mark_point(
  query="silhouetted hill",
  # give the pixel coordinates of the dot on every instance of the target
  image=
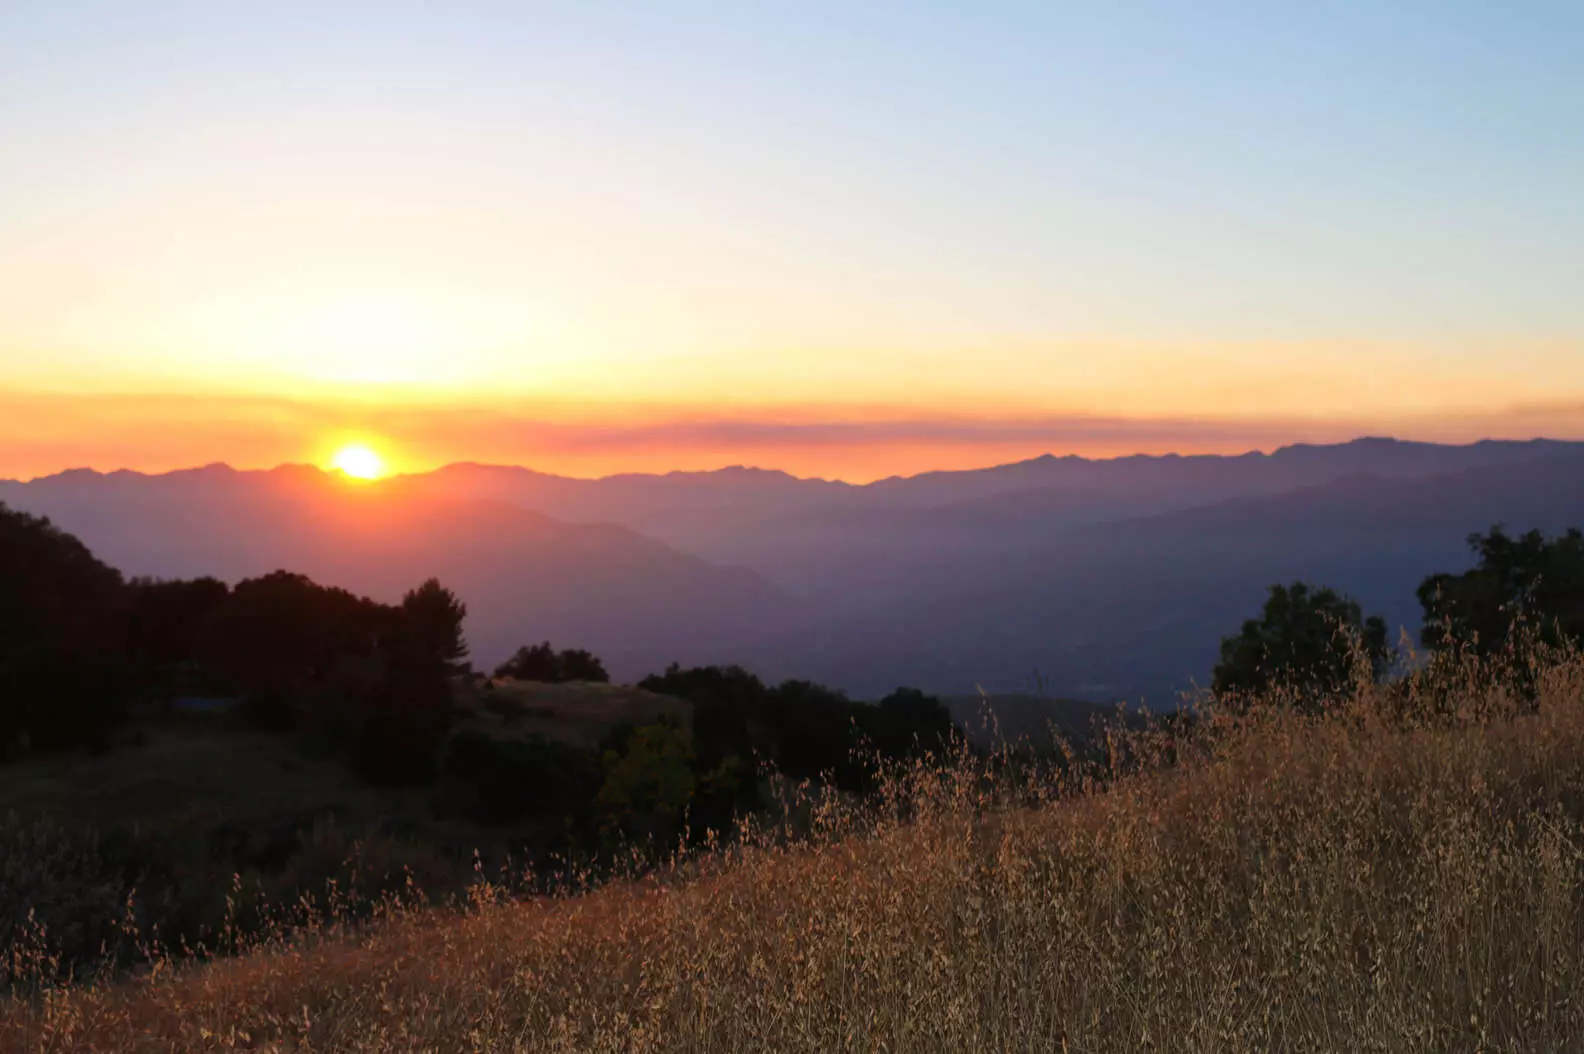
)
(525, 576)
(1106, 578)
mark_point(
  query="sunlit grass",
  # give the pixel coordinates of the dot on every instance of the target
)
(1401, 874)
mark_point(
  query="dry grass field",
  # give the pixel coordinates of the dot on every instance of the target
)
(1402, 874)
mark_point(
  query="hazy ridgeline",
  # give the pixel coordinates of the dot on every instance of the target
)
(1399, 871)
(1112, 579)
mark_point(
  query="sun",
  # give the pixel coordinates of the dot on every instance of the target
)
(359, 462)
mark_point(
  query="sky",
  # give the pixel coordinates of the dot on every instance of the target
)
(847, 240)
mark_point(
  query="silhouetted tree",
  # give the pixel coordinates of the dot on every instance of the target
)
(1303, 641)
(433, 618)
(62, 676)
(1528, 577)
(907, 722)
(277, 636)
(728, 708)
(543, 663)
(164, 623)
(813, 732)
(580, 665)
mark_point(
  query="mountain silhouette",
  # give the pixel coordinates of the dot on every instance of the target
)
(1107, 578)
(525, 576)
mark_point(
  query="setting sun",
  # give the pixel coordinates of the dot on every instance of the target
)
(359, 462)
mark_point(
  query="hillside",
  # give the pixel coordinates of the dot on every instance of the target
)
(1351, 883)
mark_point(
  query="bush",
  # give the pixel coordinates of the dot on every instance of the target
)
(1525, 579)
(543, 663)
(1307, 640)
(502, 781)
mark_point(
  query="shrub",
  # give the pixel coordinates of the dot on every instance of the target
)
(543, 663)
(501, 781)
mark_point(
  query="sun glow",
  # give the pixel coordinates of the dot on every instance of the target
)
(359, 462)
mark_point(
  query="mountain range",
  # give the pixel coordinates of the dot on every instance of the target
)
(1095, 579)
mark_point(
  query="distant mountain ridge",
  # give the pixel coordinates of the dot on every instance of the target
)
(525, 576)
(1103, 578)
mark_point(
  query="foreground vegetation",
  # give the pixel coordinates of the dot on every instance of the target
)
(1398, 870)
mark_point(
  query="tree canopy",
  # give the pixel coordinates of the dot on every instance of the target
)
(1304, 641)
(1531, 578)
(62, 621)
(543, 663)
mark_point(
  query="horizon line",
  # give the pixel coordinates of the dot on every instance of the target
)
(329, 471)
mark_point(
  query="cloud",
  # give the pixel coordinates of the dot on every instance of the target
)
(45, 432)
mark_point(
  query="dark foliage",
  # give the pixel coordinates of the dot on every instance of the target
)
(543, 663)
(1530, 578)
(812, 732)
(61, 653)
(806, 730)
(501, 781)
(164, 621)
(432, 623)
(728, 707)
(78, 645)
(1304, 642)
(907, 723)
(371, 678)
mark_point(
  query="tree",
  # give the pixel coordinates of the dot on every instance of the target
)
(580, 665)
(813, 733)
(164, 623)
(372, 679)
(649, 784)
(906, 722)
(62, 676)
(278, 635)
(434, 618)
(543, 663)
(1529, 577)
(728, 708)
(1304, 641)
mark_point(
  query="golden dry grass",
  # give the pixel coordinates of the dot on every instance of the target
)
(1354, 883)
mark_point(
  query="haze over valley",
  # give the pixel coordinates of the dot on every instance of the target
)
(1096, 579)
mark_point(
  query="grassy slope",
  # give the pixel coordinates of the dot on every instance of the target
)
(1307, 886)
(192, 771)
(190, 814)
(579, 713)
(992, 720)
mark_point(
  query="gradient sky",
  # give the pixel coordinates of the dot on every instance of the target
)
(845, 239)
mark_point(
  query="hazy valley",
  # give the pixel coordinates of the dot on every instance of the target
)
(1094, 579)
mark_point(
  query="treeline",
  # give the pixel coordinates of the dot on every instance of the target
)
(81, 648)
(702, 769)
(1523, 593)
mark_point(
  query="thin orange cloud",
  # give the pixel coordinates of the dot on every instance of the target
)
(45, 433)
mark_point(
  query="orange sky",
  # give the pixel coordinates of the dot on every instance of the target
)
(42, 434)
(847, 240)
